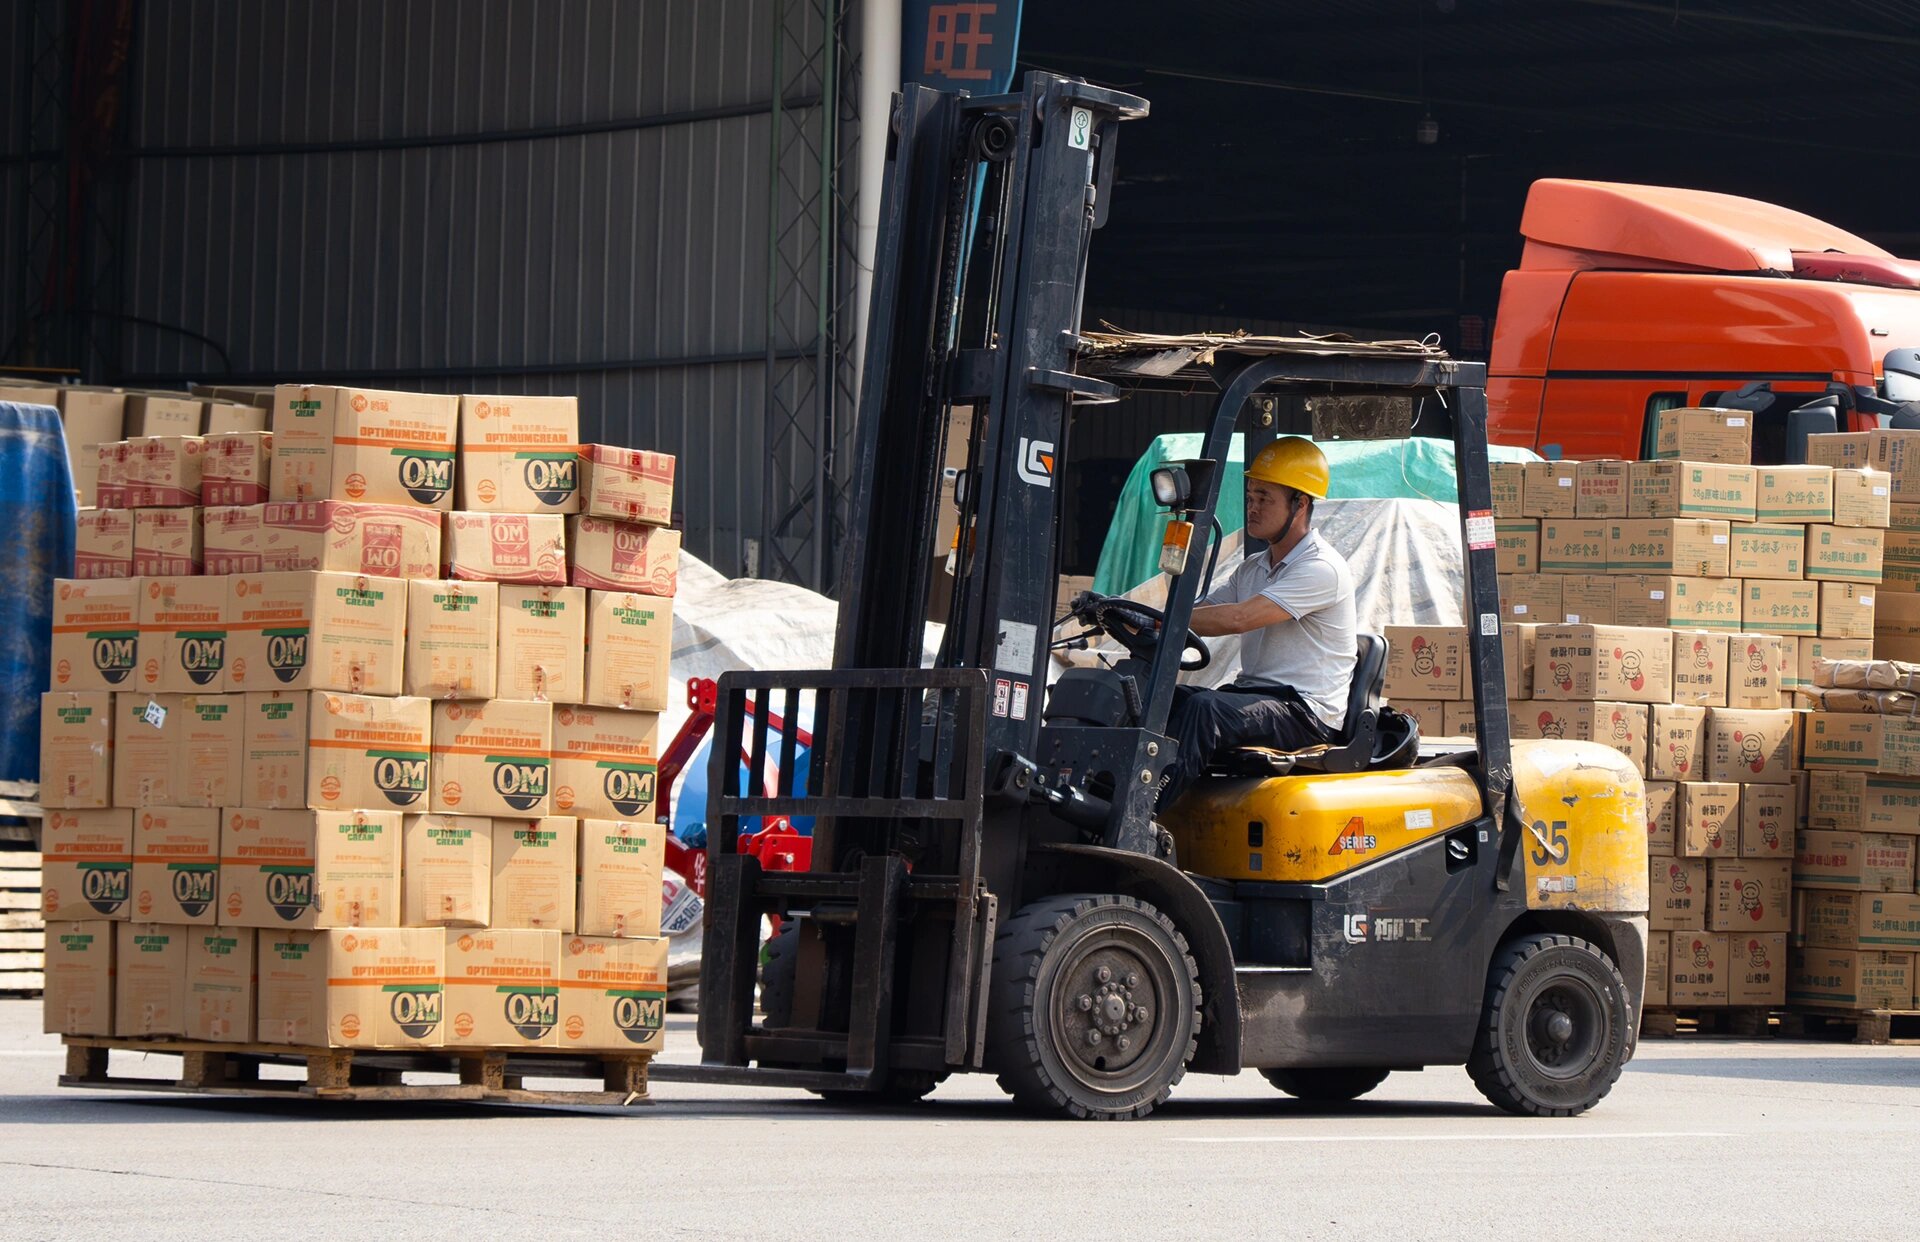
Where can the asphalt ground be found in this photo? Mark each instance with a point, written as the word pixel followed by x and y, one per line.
pixel 1702 1139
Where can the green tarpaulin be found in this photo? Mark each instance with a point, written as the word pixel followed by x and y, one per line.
pixel 1420 468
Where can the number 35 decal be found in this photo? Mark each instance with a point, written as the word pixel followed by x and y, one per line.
pixel 1553 848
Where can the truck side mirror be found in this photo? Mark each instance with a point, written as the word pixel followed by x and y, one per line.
pixel 1901 372
pixel 1820 416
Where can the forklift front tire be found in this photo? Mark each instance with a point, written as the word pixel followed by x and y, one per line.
pixel 1556 1029
pixel 1094 1010
pixel 1326 1086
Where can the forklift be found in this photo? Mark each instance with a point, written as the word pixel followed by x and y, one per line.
pixel 991 887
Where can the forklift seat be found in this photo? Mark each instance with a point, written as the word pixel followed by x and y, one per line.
pixel 1357 744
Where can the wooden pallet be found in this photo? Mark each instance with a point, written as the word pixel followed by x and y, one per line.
pixel 22 931
pixel 1860 1026
pixel 1736 1021
pixel 486 1076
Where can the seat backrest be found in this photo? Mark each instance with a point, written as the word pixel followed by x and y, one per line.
pixel 1369 680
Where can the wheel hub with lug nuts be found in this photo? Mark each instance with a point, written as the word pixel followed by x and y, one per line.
pixel 1111 1009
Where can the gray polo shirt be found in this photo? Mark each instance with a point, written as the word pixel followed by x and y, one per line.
pixel 1315 651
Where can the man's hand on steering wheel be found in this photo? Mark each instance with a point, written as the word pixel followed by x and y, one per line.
pixel 1138 628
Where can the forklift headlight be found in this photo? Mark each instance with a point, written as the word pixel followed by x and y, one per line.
pixel 1170 487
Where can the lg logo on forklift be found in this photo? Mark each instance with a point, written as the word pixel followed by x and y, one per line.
pixel 1036 462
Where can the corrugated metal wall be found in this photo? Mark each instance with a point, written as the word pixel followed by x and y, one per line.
pixel 477 195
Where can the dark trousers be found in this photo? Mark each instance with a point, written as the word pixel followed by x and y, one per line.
pixel 1206 722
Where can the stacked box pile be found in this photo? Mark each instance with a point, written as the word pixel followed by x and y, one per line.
pixel 1678 610
pixel 352 734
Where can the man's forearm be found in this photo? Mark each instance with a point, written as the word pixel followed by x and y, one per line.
pixel 1218 620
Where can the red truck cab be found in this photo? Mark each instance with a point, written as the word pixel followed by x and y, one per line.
pixel 1634 299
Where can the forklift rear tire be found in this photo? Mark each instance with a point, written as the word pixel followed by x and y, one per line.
pixel 1094 1010
pixel 1326 1086
pixel 1556 1029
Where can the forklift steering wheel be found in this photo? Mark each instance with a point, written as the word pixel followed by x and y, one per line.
pixel 1137 627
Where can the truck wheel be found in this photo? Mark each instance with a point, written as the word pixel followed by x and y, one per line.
pixel 1556 1029
pixel 1325 1086
pixel 1094 1007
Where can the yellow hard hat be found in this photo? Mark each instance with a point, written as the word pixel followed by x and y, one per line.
pixel 1292 462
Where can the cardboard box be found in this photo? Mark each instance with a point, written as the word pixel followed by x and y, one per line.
pixel 1846 450
pixel 232 539
pixel 90 417
pixel 352 988
pixel 613 993
pixel 86 864
pixel 492 758
pixel 310 869
pixel 1850 978
pixel 629 642
pixel 78 970
pixel 1662 806
pixel 620 865
pixel 96 634
pixel 1873 862
pixel 103 543
pixel 1758 973
pixel 1517 647
pixel 1548 489
pixel 166 541
pixel 155 414
pixel 394 448
pixel 633 485
pixel 381 541
pixel 1600 489
pixel 76 749
pixel 1756 668
pixel 370 752
pixel 176 865
pixel 1587 599
pixel 210 749
pixel 543 643
pixel 224 418
pixel 1863 802
pixel 1662 600
pixel 1623 726
pixel 1704 435
pixel 176 749
pixel 1508 479
pixel 506 547
pixel 1896 614
pixel 1846 610
pixel 520 454
pixel 453 638
pixel 1428 715
pixel 162 472
pixel 624 556
pixel 1752 746
pixel 1699 669
pixel 183 634
pixel 1685 489
pixel 113 472
pixel 503 989
pixel 1425 661
pixel 1458 720
pixel 273 749
pixel 1761 550
pixel 220 984
pixel 1569 546
pixel 1679 743
pixel 604 762
pixel 1532 598
pixel 1862 498
pixel 1810 649
pixel 1621 663
pixel 1693 547
pixel 446 864
pixel 1845 553
pixel 1780 607
pixel 535 866
pixel 1707 819
pixel 315 631
pixel 1793 494
pixel 1698 969
pixel 1789 667
pixel 1768 814
pixel 1750 895
pixel 150 979
pixel 1898 453
pixel 1887 921
pixel 1516 546
pixel 1659 965
pixel 1886 744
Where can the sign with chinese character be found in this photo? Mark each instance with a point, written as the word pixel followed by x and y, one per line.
pixel 960 46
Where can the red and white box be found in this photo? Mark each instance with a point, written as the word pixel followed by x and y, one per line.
pixel 231 537
pixel 110 475
pixel 627 485
pixel 506 547
pixel 382 541
pixel 103 544
pixel 235 468
pixel 624 556
pixel 164 472
pixel 166 542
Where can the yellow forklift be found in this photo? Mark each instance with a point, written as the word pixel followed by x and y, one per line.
pixel 990 887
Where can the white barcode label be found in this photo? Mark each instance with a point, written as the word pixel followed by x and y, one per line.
pixel 1736 422
pixel 1419 819
pixel 1519 610
pixel 1563 481
pixel 1490 623
pixel 1656 594
pixel 1573 618
pixel 1719 538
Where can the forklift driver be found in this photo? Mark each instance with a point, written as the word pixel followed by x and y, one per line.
pixel 1294 604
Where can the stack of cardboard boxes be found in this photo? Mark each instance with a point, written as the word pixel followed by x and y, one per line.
pixel 352 732
pixel 1674 609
